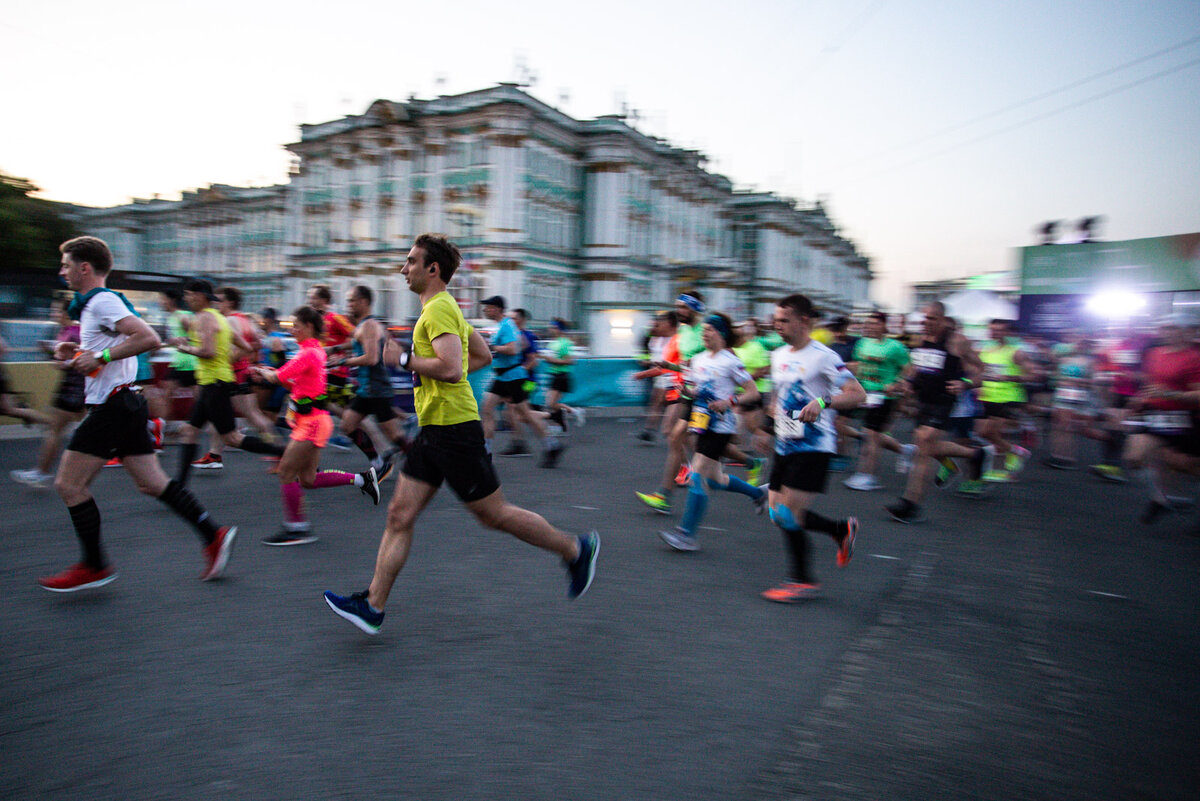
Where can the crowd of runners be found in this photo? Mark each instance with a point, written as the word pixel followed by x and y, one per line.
pixel 763 411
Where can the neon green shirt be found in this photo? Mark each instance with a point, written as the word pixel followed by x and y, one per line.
pixel 560 349
pixel 755 356
pixel 439 403
pixel 879 362
pixel 690 342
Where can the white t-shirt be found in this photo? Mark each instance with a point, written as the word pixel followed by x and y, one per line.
pixel 97 331
pixel 717 377
pixel 656 346
pixel 800 377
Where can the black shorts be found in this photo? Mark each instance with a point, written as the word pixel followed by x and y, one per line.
pixel 806 471
pixel 69 397
pixel 455 454
pixel 510 391
pixel 961 427
pixel 560 382
pixel 184 378
pixel 380 408
pixel 712 445
pixel 1004 411
pixel 1187 443
pixel 116 427
pixel 213 405
pixel 934 415
pixel 877 418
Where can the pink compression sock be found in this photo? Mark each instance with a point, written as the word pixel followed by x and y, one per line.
pixel 293 502
pixel 332 478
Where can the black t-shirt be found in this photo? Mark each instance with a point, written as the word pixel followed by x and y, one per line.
pixel 934 365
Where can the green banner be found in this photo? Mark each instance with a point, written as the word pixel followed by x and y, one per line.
pixel 1157 264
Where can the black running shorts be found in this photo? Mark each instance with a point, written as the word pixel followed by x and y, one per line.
pixel 381 408
pixel 934 415
pixel 510 391
pixel 456 454
pixel 806 471
pixel 213 405
pixel 712 445
pixel 560 382
pixel 116 427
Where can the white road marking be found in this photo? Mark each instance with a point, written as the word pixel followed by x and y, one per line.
pixel 1108 594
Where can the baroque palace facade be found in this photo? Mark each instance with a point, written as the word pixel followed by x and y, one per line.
pixel 588 220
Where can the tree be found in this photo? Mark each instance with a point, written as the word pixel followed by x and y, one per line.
pixel 31 229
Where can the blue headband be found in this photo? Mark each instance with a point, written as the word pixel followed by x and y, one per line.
pixel 722 327
pixel 692 303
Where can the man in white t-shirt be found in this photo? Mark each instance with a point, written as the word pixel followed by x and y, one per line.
pixel 811 384
pixel 111 336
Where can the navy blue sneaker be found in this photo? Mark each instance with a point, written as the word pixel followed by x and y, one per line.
pixel 356 609
pixel 583 569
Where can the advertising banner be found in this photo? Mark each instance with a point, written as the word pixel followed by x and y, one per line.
pixel 1156 264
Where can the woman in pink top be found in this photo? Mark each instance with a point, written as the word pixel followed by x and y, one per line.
pixel 311 425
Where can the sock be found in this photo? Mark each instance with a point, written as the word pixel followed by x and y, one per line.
pixel 693 512
pixel 364 443
pixel 185 462
pixel 1113 447
pixel 556 416
pixel 735 484
pixel 293 502
pixel 798 547
pixel 335 478
pixel 184 504
pixel 86 519
pixel 252 443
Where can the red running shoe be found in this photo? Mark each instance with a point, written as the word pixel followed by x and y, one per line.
pixel 113 462
pixel 216 553
pixel 78 577
pixel 790 592
pixel 155 426
pixel 846 546
pixel 684 475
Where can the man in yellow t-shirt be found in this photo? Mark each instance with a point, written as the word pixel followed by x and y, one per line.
pixel 450 446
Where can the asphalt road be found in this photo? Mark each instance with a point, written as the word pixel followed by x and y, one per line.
pixel 1038 643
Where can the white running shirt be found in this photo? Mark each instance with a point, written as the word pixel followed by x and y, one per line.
pixel 97 331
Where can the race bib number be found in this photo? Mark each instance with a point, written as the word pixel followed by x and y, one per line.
pixel 1169 422
pixel 1071 395
pixel 788 427
pixel 698 422
pixel 874 400
pixel 928 361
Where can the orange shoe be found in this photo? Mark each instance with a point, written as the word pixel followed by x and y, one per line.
pixel 684 475
pixel 791 592
pixel 155 426
pixel 845 550
pixel 113 462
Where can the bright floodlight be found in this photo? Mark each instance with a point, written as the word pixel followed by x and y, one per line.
pixel 1116 304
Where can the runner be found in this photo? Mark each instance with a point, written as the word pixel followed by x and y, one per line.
pixel 1075 406
pixel 843 345
pixel 805 374
pixel 451 447
pixel 716 375
pixel 1005 366
pixel 662 330
pixel 1120 367
pixel 336 339
pixel 937 376
pixel 311 426
pixel 559 355
pixel 111 336
pixel 757 360
pixel 879 361
pixel 277 348
pixel 180 381
pixel 373 393
pixel 211 342
pixel 68 402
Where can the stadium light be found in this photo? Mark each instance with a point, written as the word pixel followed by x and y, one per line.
pixel 1116 304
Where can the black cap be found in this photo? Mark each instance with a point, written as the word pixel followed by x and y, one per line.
pixel 201 286
pixel 495 300
pixel 269 313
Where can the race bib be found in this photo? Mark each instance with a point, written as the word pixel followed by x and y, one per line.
pixel 874 400
pixel 928 361
pixel 788 427
pixel 1071 395
pixel 1178 422
pixel 698 422
pixel 994 373
pixel 1126 357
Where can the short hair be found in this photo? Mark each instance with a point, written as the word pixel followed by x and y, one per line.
pixel 310 316
pixel 363 293
pixel 443 252
pixel 323 292
pixel 1003 322
pixel 524 314
pixel 938 307
pixel 839 324
pixel 231 295
pixel 800 304
pixel 91 249
pixel 669 317
pixel 175 294
pixel 878 315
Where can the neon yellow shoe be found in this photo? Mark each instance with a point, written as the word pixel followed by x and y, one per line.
pixel 754 472
pixel 997 476
pixel 656 501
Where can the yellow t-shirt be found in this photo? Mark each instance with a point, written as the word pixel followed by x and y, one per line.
pixel 218 368
pixel 437 402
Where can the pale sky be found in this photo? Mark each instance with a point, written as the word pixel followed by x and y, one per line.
pixel 939 133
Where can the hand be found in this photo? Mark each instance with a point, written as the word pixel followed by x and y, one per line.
pixel 177 342
pixel 64 351
pixel 811 412
pixel 85 363
pixel 955 387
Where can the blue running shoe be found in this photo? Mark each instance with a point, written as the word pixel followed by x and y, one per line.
pixel 583 569
pixel 356 609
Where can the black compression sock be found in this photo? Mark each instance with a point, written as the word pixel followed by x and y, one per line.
pixel 364 443
pixel 185 461
pixel 822 524
pixel 252 443
pixel 184 504
pixel 798 547
pixel 86 519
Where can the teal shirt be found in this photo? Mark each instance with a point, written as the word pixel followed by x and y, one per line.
pixel 879 362
pixel 560 349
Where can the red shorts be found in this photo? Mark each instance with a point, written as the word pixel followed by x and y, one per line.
pixel 315 427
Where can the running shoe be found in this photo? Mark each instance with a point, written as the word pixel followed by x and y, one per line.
pixel 155 426
pixel 32 478
pixel 646 437
pixel 656 501
pixel 683 477
pixel 216 553
pixel 997 477
pixel 1060 463
pixel 791 592
pixel 209 461
pixel 551 454
pixel 947 470
pixel 357 610
pixel 583 569
pixel 370 486
pixel 905 511
pixel 845 550
pixel 862 482
pixel 679 541
pixel 760 503
pixel 904 461
pixel 578 417
pixel 290 537
pixel 78 577
pixel 1109 472
pixel 1014 460
pixel 516 449
pixel 971 488
pixel 113 462
pixel 755 470
pixel 383 467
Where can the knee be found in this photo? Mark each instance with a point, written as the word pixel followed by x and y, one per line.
pixel 492 518
pixel 399 516
pixel 68 490
pixel 781 515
